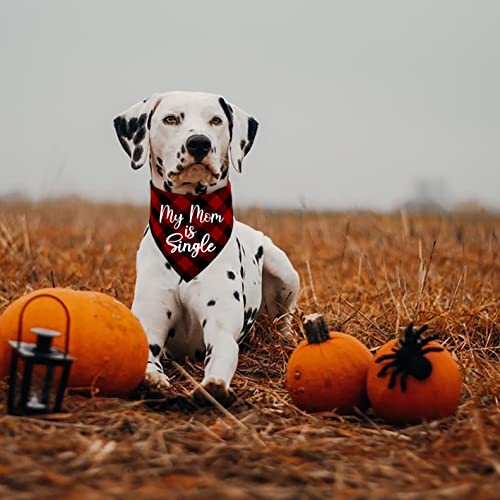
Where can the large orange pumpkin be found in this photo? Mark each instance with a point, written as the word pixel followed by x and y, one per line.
pixel 328 370
pixel 107 340
pixel 413 379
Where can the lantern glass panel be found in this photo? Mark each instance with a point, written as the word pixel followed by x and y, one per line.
pixel 40 390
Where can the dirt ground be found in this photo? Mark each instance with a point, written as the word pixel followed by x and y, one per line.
pixel 370 274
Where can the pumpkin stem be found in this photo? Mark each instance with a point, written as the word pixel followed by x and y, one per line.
pixel 316 328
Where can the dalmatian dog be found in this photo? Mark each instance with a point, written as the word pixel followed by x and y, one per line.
pixel 190 139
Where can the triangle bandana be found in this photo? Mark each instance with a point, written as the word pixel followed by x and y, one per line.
pixel 191 230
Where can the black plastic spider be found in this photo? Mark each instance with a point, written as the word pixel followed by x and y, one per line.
pixel 409 357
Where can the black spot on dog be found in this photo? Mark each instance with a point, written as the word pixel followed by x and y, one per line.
pixel 178 154
pixel 120 125
pixel 248 321
pixel 182 116
pixel 239 250
pixel 166 187
pixel 169 182
pixel 134 165
pixel 149 119
pixel 228 111
pixel 142 120
pixel 132 127
pixel 171 333
pixel 208 354
pixel 211 302
pixel 159 160
pixel 140 135
pixel 244 300
pixel 224 172
pixel 168 266
pixel 179 166
pixel 242 144
pixel 236 295
pixel 159 170
pixel 204 323
pixel 200 188
pixel 158 365
pixel 253 125
pixel 155 349
pixel 169 314
pixel 230 274
pixel 259 254
pixel 239 165
pixel 183 149
pixel 137 153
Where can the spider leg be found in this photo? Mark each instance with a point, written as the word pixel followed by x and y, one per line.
pixel 403 381
pixel 417 336
pixel 428 339
pixel 394 374
pixel 386 368
pixel 409 329
pixel 407 335
pixel 422 329
pixel 431 349
pixel 385 357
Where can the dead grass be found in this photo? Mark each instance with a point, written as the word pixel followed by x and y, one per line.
pixel 369 273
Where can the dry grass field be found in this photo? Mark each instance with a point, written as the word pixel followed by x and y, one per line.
pixel 370 274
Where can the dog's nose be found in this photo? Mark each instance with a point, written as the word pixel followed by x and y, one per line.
pixel 198 146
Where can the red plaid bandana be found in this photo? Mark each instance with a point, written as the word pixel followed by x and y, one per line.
pixel 191 230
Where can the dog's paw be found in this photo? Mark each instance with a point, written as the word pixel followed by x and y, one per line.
pixel 218 390
pixel 155 385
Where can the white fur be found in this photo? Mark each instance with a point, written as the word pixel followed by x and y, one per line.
pixel 264 279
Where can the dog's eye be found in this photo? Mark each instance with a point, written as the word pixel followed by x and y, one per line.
pixel 170 120
pixel 216 120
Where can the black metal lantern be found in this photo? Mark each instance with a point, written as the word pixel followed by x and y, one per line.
pixel 28 394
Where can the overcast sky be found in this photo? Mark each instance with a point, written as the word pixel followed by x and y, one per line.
pixel 357 100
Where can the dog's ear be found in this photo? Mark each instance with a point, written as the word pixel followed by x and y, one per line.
pixel 242 131
pixel 132 128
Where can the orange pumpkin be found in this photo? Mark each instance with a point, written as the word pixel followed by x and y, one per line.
pixel 107 340
pixel 413 379
pixel 328 370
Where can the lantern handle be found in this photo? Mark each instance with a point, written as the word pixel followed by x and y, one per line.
pixel 66 312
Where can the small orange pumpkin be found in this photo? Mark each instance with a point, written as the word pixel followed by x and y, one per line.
pixel 413 379
pixel 328 370
pixel 107 340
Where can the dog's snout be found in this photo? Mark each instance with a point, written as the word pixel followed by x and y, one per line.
pixel 198 146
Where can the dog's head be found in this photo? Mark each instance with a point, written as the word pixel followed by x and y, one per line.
pixel 190 139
